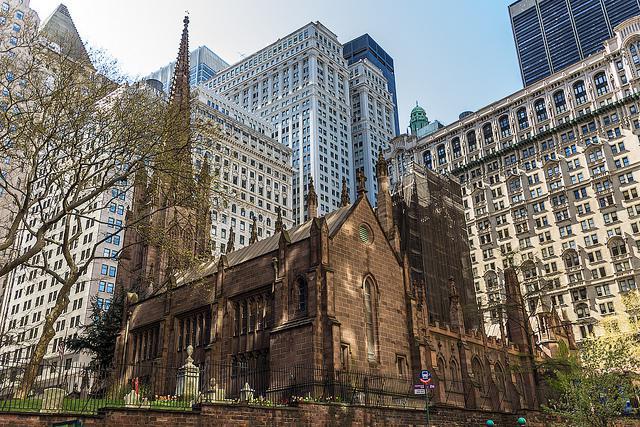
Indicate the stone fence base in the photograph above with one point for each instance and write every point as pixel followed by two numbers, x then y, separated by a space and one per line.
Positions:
pixel 304 414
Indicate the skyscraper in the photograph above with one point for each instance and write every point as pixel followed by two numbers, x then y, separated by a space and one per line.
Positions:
pixel 549 178
pixel 300 84
pixel 29 294
pixel 364 47
pixel 550 35
pixel 372 112
pixel 204 65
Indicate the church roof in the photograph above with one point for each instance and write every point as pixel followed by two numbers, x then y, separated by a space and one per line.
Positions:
pixel 298 233
pixel 59 28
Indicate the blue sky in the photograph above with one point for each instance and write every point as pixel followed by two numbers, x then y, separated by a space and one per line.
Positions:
pixel 450 55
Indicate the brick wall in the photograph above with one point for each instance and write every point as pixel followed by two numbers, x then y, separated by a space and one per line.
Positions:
pixel 305 414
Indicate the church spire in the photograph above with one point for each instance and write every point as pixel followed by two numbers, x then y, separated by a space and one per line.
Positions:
pixel 179 93
pixel 181 191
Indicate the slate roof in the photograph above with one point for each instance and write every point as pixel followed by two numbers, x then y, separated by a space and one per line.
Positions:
pixel 298 233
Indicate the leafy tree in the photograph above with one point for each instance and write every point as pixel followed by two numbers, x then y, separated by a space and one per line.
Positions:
pixel 98 337
pixel 593 386
pixel 75 133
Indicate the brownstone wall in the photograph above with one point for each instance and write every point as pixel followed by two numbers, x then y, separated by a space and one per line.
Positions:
pixel 352 261
pixel 306 414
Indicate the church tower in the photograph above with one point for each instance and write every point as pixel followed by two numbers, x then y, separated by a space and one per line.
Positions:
pixel 169 222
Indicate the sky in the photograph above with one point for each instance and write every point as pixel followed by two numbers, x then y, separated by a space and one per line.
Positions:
pixel 450 55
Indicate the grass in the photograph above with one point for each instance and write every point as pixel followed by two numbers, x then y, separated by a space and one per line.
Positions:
pixel 86 406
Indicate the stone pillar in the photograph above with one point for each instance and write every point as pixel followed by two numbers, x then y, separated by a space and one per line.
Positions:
pixel 188 381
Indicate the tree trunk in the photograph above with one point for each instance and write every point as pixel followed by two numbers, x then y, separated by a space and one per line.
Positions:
pixel 31 371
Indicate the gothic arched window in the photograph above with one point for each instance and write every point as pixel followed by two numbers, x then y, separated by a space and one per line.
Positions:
pixel 302 294
pixel 454 373
pixel 499 377
pixel 478 373
pixel 371 317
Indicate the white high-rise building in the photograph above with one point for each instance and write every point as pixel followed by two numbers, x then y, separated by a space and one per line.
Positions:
pixel 301 85
pixel 373 120
pixel 549 179
pixel 251 170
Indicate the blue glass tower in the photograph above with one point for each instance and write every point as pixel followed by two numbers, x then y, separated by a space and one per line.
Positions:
pixel 552 34
pixel 365 47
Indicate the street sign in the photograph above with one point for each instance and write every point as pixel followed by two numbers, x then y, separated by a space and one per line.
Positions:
pixel 425 376
pixel 419 389
pixel 431 386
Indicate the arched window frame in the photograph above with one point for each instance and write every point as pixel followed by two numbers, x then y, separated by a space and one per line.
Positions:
pixel 487 133
pixel 455 383
pixel 491 279
pixel 523 120
pixel 472 142
pixel 443 368
pixel 301 290
pixel 427 160
pixel 441 151
pixel 602 84
pixel 370 295
pixel 541 110
pixel 582 311
pixel 505 128
pixel 478 374
pixel 571 259
pixel 559 101
pixel 617 247
pixel 500 377
pixel 456 149
pixel 580 92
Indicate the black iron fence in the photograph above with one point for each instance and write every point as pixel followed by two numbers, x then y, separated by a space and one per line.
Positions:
pixel 83 389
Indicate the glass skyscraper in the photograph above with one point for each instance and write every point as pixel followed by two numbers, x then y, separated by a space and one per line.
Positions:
pixel 366 47
pixel 553 34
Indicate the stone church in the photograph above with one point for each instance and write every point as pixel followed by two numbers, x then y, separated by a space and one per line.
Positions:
pixel 334 293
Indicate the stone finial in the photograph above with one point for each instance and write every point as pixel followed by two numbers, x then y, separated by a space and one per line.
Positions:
pixel 231 241
pixel 254 232
pixel 312 200
pixel 382 168
pixel 279 226
pixel 344 196
pixel 362 180
pixel 189 354
pixel 453 289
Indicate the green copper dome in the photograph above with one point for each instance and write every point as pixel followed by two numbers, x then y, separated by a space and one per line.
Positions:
pixel 418 119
